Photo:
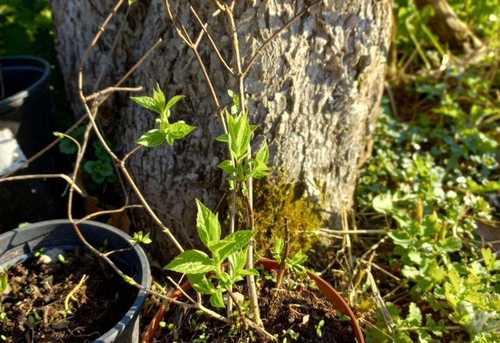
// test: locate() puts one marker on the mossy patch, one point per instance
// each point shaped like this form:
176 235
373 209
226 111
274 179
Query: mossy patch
278 204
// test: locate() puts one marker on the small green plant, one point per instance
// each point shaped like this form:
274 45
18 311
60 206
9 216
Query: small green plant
206 273
141 238
100 169
165 132
294 262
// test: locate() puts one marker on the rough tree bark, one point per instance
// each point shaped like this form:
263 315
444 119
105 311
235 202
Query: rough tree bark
315 93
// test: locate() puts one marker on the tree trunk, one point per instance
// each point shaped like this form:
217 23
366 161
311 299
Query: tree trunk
315 93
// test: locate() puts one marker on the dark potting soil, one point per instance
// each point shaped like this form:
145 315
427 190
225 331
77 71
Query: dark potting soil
71 299
297 315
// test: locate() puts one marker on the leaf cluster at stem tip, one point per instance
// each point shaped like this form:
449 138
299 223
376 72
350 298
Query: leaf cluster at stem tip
165 131
241 166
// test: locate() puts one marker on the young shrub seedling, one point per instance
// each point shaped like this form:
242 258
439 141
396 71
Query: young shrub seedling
206 273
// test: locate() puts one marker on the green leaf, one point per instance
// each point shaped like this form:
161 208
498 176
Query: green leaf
148 103
414 315
201 284
217 300
400 238
238 260
410 272
152 138
488 187
262 155
489 259
159 98
224 138
207 224
451 244
173 101
260 169
234 242
177 130
227 167
191 262
382 203
240 135
278 246
415 257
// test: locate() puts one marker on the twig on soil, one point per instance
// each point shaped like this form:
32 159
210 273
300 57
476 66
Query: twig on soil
70 296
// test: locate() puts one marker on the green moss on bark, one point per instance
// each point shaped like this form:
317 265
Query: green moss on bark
276 203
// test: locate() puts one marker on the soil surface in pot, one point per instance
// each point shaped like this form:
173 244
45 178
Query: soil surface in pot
298 315
71 299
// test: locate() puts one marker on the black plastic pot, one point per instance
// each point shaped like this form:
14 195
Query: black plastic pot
26 109
19 244
26 105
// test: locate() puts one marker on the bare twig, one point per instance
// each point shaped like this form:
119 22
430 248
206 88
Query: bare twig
43 176
352 232
105 212
70 295
210 38
180 289
111 90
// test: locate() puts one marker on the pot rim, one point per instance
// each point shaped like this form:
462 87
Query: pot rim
18 96
327 290
146 279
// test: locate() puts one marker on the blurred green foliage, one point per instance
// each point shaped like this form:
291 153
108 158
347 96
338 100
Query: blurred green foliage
26 28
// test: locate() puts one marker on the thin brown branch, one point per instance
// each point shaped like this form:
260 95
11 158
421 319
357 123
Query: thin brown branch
106 212
43 176
211 40
181 30
111 90
148 208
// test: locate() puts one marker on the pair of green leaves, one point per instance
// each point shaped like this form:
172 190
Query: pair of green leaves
165 132
201 268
